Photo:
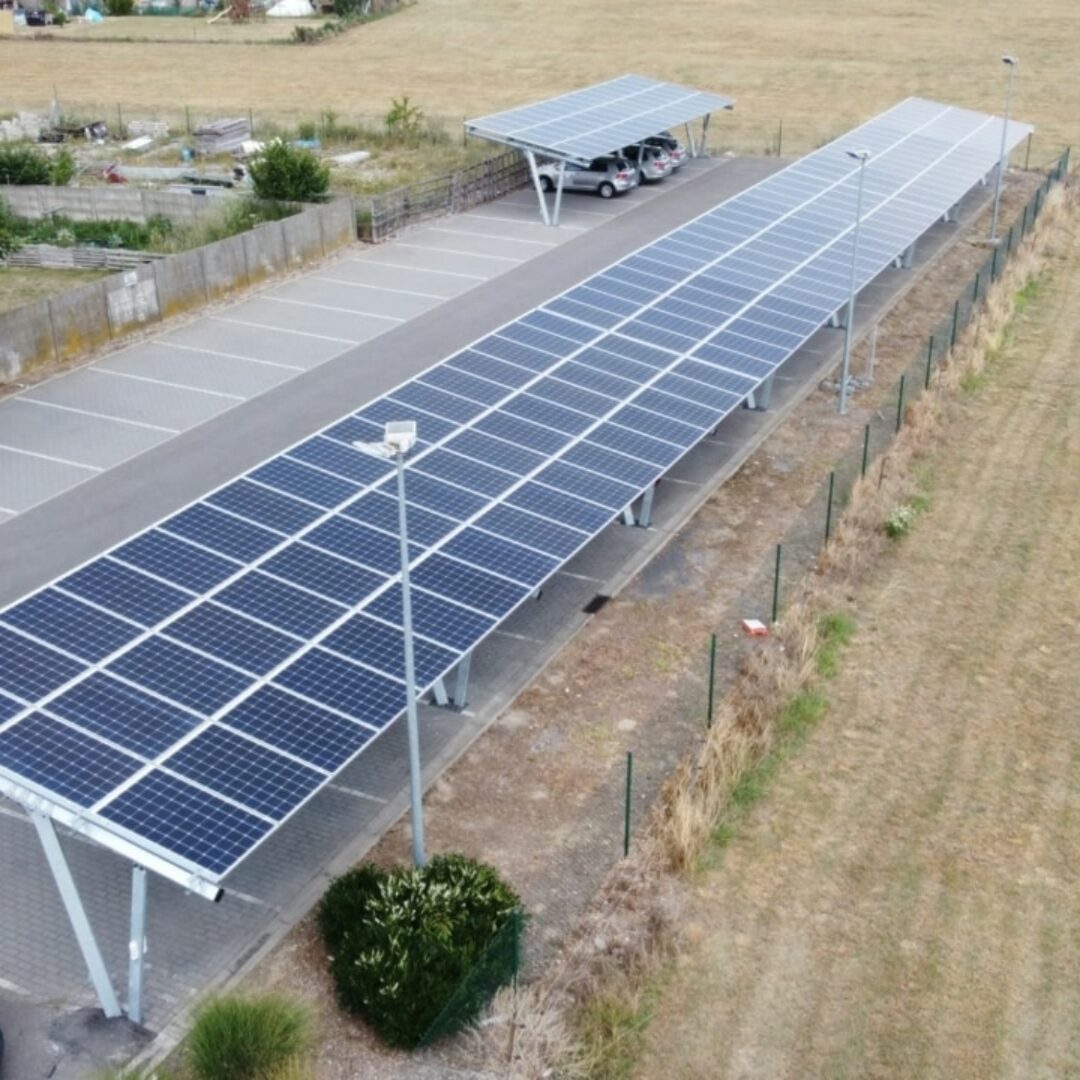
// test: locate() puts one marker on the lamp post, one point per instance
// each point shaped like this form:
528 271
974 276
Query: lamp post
1010 62
398 439
861 156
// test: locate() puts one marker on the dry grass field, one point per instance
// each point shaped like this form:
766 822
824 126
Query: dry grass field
904 903
818 65
171 30
18 287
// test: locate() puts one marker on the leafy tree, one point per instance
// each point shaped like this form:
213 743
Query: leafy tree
289 173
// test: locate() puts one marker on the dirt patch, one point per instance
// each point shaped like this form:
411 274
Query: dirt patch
904 902
540 795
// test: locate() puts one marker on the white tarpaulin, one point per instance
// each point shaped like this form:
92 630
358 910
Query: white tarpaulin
291 9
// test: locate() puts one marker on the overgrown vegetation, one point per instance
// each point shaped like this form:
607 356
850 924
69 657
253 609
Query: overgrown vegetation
402 941
23 164
290 174
235 1038
158 234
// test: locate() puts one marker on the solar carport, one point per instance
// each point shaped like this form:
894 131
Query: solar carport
578 127
180 697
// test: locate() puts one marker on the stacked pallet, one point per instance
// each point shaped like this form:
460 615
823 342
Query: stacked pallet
221 136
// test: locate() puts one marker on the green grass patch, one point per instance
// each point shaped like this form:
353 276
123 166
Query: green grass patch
835 630
236 1038
613 1027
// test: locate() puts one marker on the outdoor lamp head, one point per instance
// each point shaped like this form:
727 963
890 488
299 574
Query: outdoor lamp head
1010 60
401 435
858 155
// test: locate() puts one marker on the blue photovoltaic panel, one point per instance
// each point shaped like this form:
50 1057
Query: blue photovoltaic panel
272 609
382 647
194 824
260 778
299 727
582 125
181 675
61 759
30 670
123 714
176 561
71 625
353 690
127 592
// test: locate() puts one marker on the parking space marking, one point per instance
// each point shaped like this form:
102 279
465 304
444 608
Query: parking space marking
522 221
8 510
170 385
330 307
489 236
421 269
98 415
228 355
356 794
284 329
381 288
51 457
455 251
581 577
519 637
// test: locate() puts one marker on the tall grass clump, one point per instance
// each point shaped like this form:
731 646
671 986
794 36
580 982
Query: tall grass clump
236 1038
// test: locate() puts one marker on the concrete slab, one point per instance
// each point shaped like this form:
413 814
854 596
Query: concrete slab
470 243
448 260
216 337
73 438
136 401
362 299
321 323
202 370
26 479
380 273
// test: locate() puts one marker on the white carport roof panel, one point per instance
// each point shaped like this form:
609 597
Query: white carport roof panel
584 124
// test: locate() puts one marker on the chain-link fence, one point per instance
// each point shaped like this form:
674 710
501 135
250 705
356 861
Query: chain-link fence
496 966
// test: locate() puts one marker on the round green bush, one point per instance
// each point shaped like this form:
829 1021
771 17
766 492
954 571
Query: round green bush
290 173
401 942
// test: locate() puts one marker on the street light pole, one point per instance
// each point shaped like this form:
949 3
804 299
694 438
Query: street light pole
1010 62
862 156
399 439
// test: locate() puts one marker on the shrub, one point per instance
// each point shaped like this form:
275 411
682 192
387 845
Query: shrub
119 7
404 119
236 1038
900 521
62 168
23 165
401 942
288 172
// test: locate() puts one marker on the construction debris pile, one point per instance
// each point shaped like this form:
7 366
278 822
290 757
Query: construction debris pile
222 136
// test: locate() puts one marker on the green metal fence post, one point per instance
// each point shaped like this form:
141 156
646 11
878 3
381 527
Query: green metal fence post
900 404
776 585
955 323
866 445
629 786
975 290
712 679
828 506
780 138
929 364
1009 240
993 265
1024 222
1027 152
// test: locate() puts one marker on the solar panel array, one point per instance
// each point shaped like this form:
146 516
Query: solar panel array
191 688
584 124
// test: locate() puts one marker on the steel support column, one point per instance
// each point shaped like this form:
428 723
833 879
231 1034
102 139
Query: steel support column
704 135
908 258
461 681
136 944
763 395
438 692
645 514
558 193
76 913
628 515
530 157
691 145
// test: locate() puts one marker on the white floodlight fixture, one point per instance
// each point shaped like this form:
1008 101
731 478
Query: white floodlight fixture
399 437
862 156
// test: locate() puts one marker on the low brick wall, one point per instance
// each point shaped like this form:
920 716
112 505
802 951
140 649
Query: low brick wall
73 323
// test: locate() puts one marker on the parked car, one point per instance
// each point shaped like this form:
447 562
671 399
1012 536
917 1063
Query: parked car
607 176
651 163
675 149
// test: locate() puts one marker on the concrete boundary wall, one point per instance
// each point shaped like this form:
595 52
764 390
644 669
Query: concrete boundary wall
72 324
105 203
